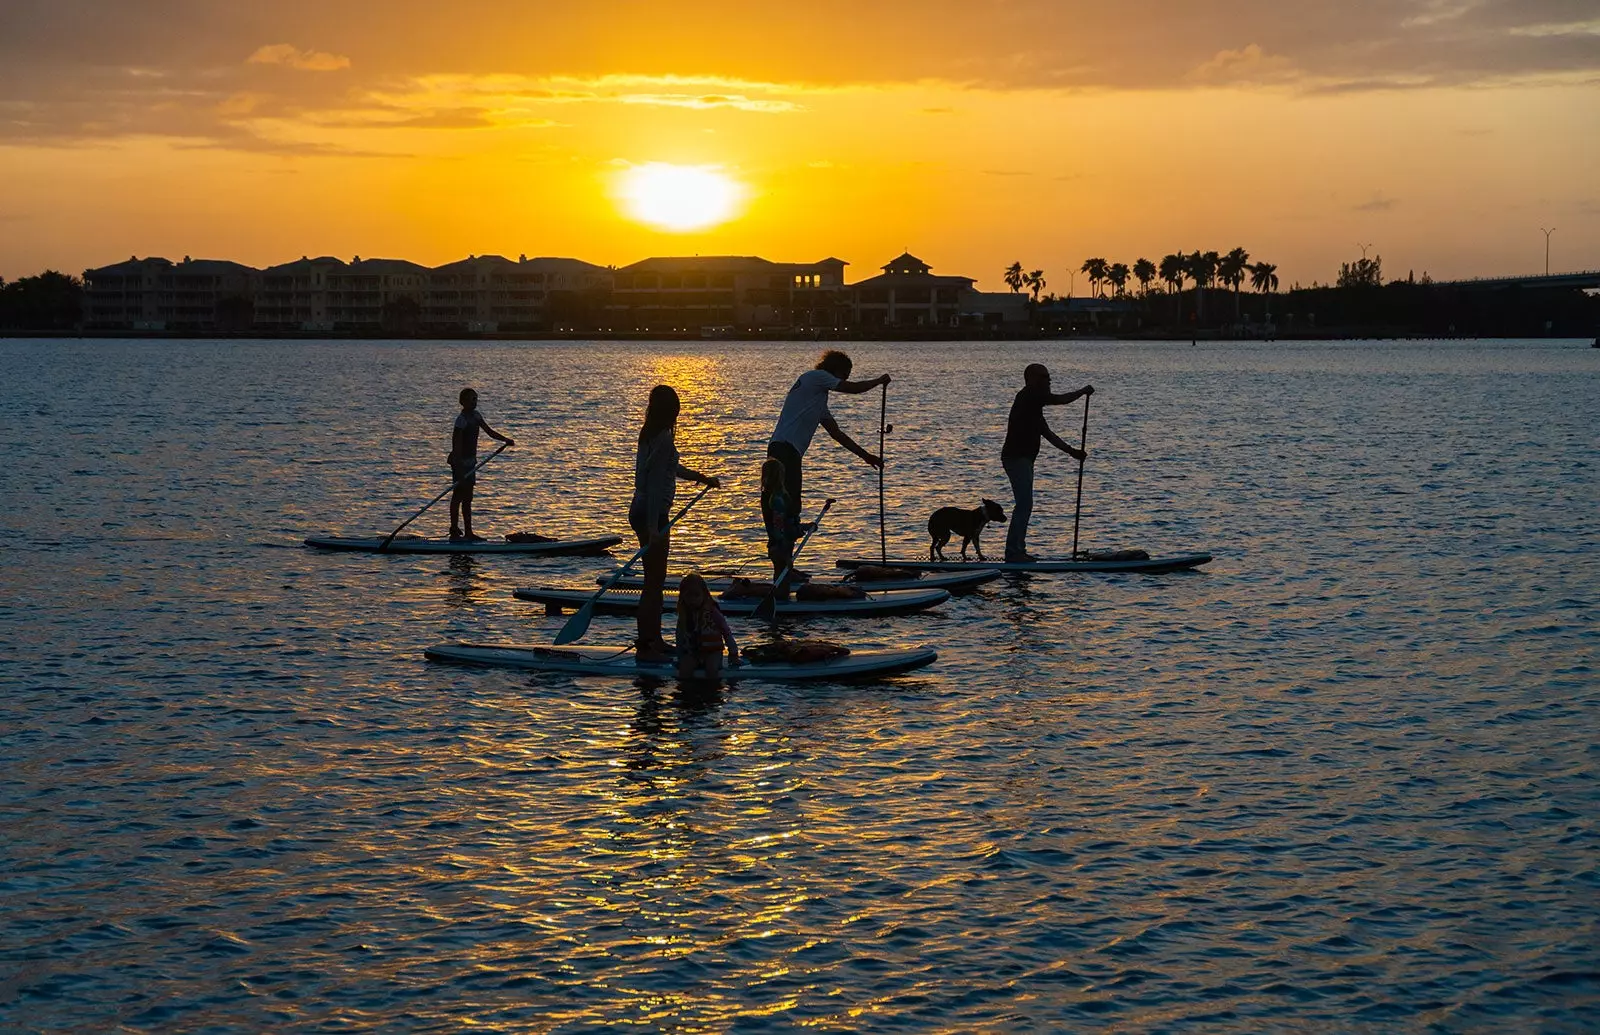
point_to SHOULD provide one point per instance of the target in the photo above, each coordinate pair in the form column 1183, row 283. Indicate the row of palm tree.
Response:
column 1205, row 269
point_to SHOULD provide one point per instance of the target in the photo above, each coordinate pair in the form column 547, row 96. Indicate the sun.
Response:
column 680, row 197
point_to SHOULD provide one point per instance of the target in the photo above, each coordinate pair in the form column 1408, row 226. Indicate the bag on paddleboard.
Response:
column 528, row 537
column 794, row 652
column 878, row 573
column 1113, row 555
column 741, row 587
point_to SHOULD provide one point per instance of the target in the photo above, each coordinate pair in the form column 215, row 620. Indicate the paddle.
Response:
column 768, row 608
column 883, row 429
column 1083, row 445
column 578, row 624
column 390, row 537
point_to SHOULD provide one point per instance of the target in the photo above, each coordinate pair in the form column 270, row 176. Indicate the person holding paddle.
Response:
column 806, row 407
column 656, row 471
column 1025, row 427
column 463, row 460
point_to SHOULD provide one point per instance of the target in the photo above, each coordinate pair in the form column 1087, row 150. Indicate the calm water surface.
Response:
column 1344, row 778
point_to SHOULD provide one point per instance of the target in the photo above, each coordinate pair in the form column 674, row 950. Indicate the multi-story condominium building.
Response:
column 293, row 296
column 726, row 292
column 155, row 294
column 376, row 295
column 487, row 293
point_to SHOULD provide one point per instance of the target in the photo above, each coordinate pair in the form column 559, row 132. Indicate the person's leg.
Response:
column 655, row 578
column 787, row 455
column 781, row 553
column 712, row 663
column 457, row 493
column 1019, row 469
column 466, row 510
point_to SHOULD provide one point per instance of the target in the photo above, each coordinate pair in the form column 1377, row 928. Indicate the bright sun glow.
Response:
column 679, row 197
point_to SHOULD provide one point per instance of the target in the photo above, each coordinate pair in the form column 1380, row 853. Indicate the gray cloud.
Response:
column 92, row 69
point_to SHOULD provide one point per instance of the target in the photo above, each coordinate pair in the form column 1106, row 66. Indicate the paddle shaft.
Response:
column 769, row 603
column 578, row 624
column 390, row 537
column 1077, row 508
column 883, row 429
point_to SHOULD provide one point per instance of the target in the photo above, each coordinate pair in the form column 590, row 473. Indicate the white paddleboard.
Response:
column 626, row 602
column 952, row 582
column 616, row 661
column 418, row 544
column 1148, row 566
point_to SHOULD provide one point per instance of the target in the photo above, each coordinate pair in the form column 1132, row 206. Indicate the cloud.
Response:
column 1249, row 65
column 294, row 57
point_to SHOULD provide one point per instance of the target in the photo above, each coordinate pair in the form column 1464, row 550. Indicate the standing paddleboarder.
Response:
column 1024, row 429
column 656, row 471
column 463, row 459
column 804, row 408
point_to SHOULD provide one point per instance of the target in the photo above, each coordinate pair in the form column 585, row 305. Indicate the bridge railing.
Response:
column 1573, row 274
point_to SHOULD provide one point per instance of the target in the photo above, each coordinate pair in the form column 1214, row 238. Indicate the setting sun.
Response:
column 679, row 197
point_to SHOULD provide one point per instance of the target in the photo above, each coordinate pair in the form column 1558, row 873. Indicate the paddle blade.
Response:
column 577, row 625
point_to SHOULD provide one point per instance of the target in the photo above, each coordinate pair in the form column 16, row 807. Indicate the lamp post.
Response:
column 1547, row 234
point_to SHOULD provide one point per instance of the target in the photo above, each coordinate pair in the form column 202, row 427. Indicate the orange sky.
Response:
column 1445, row 133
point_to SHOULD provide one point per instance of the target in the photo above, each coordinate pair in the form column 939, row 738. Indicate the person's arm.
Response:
column 1055, row 440
column 858, row 387
column 695, row 476
column 831, row 426
column 493, row 433
column 1066, row 397
column 727, row 634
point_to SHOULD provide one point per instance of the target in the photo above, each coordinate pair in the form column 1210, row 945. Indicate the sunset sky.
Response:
column 1445, row 133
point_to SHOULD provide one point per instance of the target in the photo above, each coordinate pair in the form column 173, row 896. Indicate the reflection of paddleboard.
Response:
column 953, row 582
column 417, row 544
column 1148, row 565
column 617, row 661
column 626, row 602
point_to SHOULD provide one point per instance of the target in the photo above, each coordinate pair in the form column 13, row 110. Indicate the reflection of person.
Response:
column 702, row 630
column 655, row 473
column 463, row 459
column 805, row 407
column 1023, row 431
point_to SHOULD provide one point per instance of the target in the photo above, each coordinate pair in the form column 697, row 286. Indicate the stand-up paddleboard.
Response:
column 618, row 661
column 626, row 602
column 418, row 544
column 950, row 582
column 1147, row 565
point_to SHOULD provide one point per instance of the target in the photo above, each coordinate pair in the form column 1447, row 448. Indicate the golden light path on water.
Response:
column 1338, row 778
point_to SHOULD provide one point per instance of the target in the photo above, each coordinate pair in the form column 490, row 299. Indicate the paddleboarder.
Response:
column 463, row 459
column 656, row 471
column 1025, row 427
column 806, row 407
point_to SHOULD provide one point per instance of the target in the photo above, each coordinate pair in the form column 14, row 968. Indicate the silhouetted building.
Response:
column 294, row 296
column 726, row 293
column 909, row 294
column 486, row 293
column 156, row 294
column 372, row 295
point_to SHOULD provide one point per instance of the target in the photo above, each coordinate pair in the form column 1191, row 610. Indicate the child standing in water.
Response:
column 702, row 630
column 783, row 524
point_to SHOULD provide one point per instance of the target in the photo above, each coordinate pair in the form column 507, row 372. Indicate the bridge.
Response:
column 1580, row 279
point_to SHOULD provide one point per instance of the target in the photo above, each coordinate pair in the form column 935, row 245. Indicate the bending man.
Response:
column 805, row 407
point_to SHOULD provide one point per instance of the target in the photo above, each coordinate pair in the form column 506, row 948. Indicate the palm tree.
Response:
column 1230, row 270
column 1014, row 276
column 1144, row 271
column 1172, row 271
column 1035, row 283
column 1096, row 268
column 1264, row 278
column 1117, row 276
column 1202, row 269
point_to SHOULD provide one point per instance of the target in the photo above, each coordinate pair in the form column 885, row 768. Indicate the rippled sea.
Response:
column 1341, row 779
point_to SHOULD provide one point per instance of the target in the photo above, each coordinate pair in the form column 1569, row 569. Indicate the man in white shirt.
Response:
column 805, row 407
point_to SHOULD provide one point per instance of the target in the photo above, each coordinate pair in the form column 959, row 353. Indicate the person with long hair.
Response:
column 656, row 471
column 804, row 409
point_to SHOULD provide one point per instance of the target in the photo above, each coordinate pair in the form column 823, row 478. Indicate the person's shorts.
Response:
column 464, row 477
column 637, row 519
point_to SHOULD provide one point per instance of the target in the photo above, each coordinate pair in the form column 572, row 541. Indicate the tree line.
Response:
column 48, row 301
column 1204, row 269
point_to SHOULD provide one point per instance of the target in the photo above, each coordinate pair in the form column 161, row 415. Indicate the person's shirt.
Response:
column 1026, row 425
column 705, row 628
column 656, row 471
column 803, row 409
column 464, row 438
column 778, row 515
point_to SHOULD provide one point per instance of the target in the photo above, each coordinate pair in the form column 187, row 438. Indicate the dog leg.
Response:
column 976, row 545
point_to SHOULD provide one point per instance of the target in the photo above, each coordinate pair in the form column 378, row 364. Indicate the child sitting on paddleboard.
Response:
column 463, row 460
column 702, row 630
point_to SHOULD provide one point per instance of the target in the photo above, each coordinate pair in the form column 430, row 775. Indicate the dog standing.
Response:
column 968, row 524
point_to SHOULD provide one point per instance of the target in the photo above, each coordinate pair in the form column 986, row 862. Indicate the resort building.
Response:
column 908, row 294
column 488, row 293
column 156, row 294
column 293, row 296
column 726, row 294
column 376, row 295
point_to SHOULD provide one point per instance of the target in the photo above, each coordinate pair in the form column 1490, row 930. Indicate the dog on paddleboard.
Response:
column 968, row 524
